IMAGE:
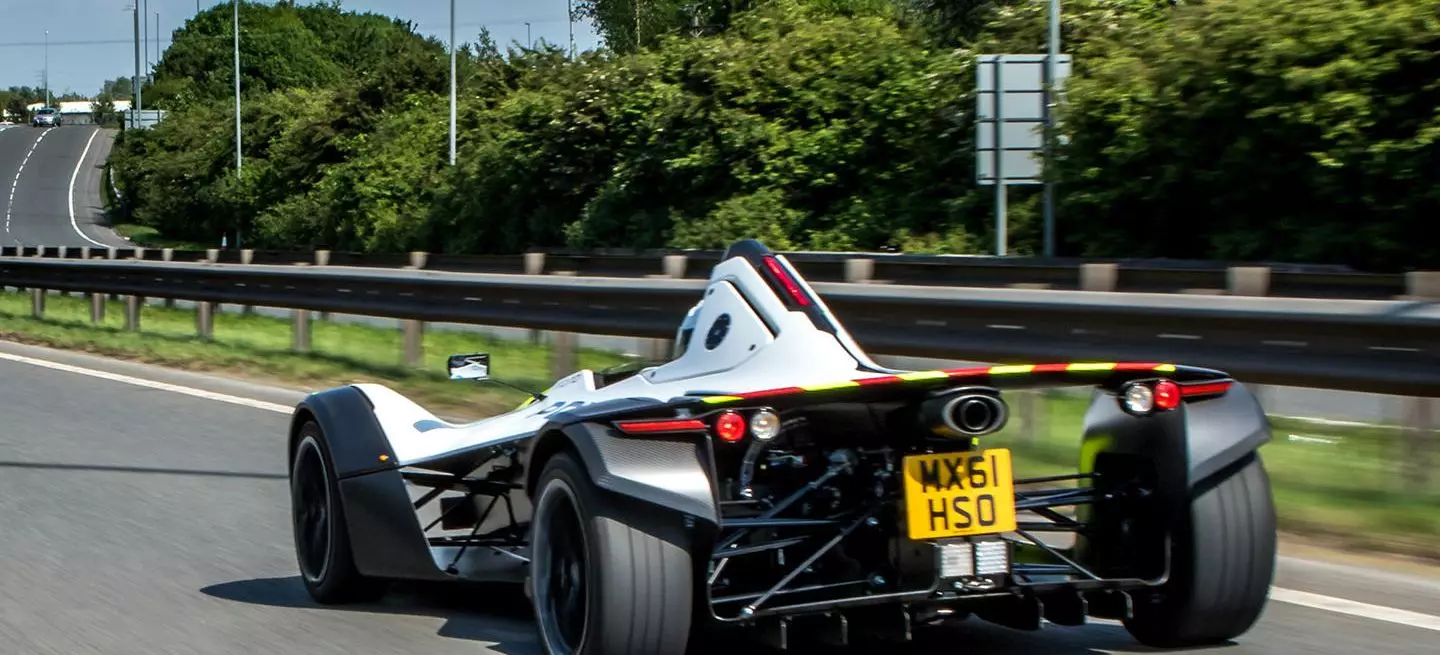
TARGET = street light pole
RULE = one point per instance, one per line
(1048, 201)
(47, 68)
(452, 82)
(239, 159)
(135, 86)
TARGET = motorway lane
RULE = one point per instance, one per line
(140, 520)
(37, 168)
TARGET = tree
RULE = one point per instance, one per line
(1248, 129)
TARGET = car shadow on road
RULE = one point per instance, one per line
(498, 615)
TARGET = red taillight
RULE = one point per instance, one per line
(668, 425)
(1205, 389)
(1167, 395)
(730, 427)
(791, 286)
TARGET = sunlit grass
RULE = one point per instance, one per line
(259, 348)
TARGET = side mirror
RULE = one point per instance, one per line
(474, 366)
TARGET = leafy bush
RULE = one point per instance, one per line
(1247, 129)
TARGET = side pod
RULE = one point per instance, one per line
(671, 471)
(385, 533)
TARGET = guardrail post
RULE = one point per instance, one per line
(1423, 285)
(563, 345)
(859, 270)
(111, 254)
(246, 256)
(132, 313)
(85, 253)
(168, 255)
(660, 349)
(414, 335)
(322, 258)
(1248, 280)
(1099, 276)
(1418, 449)
(60, 252)
(37, 303)
(205, 320)
(97, 308)
(535, 265)
(301, 343)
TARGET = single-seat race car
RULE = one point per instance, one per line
(772, 478)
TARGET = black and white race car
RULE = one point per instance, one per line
(771, 476)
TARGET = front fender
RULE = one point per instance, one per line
(673, 472)
(357, 442)
(386, 538)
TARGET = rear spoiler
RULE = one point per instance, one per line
(1194, 382)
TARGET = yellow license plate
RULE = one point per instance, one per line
(959, 494)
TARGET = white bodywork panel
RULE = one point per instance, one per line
(749, 357)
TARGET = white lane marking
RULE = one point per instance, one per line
(1352, 608)
(15, 184)
(71, 197)
(151, 384)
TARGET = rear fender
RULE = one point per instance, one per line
(673, 472)
(1176, 454)
(1188, 445)
(385, 533)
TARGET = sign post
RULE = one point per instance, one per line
(1010, 121)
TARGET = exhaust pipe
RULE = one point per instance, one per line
(966, 414)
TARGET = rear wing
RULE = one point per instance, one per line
(1193, 382)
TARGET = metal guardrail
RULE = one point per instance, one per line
(1134, 276)
(1377, 346)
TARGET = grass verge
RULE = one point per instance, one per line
(257, 348)
(1335, 483)
(149, 237)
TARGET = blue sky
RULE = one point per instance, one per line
(93, 40)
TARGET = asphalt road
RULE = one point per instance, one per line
(145, 518)
(50, 186)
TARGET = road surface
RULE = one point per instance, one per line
(145, 511)
(50, 186)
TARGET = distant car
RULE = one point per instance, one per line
(46, 117)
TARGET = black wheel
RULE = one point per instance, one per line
(322, 539)
(603, 580)
(1222, 566)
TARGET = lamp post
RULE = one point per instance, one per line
(452, 82)
(47, 68)
(239, 158)
(1048, 201)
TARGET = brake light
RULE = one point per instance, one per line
(786, 280)
(1206, 389)
(730, 427)
(667, 425)
(1167, 395)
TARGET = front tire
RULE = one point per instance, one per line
(1222, 566)
(322, 537)
(605, 580)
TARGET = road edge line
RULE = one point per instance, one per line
(71, 195)
(150, 384)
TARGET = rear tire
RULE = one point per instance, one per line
(605, 580)
(322, 536)
(1221, 569)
